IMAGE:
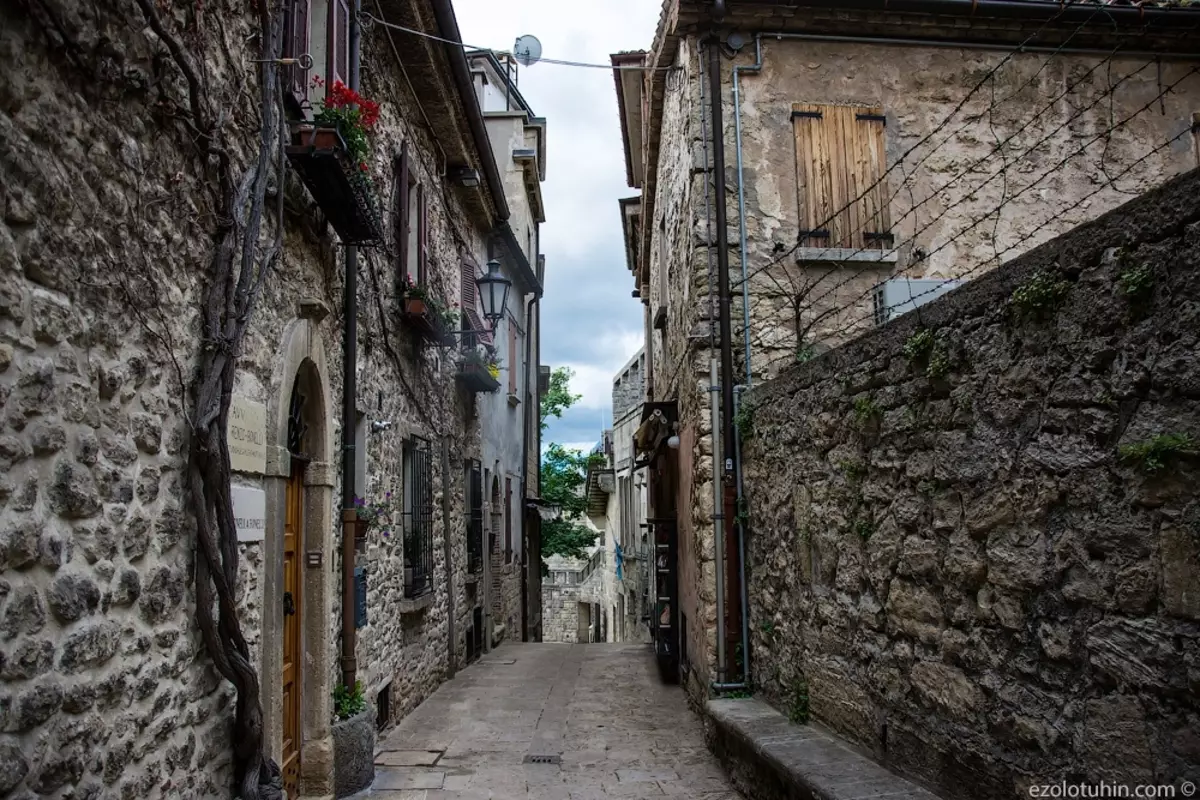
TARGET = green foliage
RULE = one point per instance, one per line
(1152, 455)
(564, 473)
(742, 517)
(805, 353)
(853, 470)
(739, 694)
(349, 703)
(1040, 294)
(798, 703)
(1137, 282)
(558, 397)
(768, 628)
(919, 345)
(743, 420)
(939, 362)
(865, 411)
(864, 528)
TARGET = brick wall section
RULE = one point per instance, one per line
(968, 578)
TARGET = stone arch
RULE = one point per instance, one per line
(301, 365)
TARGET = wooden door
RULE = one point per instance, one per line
(291, 630)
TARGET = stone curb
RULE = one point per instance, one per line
(803, 760)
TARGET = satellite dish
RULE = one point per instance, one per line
(527, 50)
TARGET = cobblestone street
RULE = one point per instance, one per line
(601, 707)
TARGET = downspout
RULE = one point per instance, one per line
(448, 554)
(525, 430)
(349, 407)
(726, 327)
(753, 69)
(718, 515)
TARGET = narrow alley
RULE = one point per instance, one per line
(620, 732)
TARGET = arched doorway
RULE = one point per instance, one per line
(297, 649)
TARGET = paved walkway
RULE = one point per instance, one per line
(599, 707)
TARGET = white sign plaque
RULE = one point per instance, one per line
(247, 436)
(249, 513)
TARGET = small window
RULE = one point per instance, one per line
(513, 356)
(508, 552)
(474, 491)
(295, 44)
(339, 41)
(412, 244)
(841, 162)
(418, 517)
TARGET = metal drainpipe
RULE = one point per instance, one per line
(718, 516)
(525, 430)
(349, 407)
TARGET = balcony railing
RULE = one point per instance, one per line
(339, 186)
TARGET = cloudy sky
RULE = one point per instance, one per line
(589, 321)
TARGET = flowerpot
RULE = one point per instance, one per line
(353, 754)
(326, 139)
(414, 306)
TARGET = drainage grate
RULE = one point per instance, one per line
(543, 759)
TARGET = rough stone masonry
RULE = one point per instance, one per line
(976, 530)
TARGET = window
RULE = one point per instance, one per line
(320, 29)
(418, 517)
(841, 161)
(508, 521)
(410, 226)
(474, 492)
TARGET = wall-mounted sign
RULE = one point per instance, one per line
(249, 513)
(314, 559)
(247, 436)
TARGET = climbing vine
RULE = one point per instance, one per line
(237, 270)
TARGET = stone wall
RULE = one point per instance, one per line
(973, 557)
(104, 682)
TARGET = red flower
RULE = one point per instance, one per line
(363, 166)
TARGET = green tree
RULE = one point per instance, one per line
(564, 473)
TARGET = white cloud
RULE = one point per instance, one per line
(594, 378)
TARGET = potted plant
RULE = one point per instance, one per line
(353, 740)
(374, 514)
(479, 368)
(345, 120)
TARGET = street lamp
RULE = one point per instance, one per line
(493, 293)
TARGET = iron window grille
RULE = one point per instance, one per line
(418, 518)
(474, 518)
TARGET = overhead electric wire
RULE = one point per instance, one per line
(376, 20)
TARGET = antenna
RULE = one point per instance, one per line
(527, 50)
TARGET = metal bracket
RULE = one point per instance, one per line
(304, 60)
(807, 115)
(871, 118)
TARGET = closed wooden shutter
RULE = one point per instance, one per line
(841, 161)
(512, 356)
(339, 41)
(400, 230)
(422, 236)
(470, 303)
(508, 520)
(295, 44)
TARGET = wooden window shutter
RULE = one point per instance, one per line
(422, 236)
(339, 41)
(512, 356)
(470, 302)
(840, 156)
(400, 230)
(295, 44)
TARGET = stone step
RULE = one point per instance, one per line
(770, 758)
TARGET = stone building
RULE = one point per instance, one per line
(509, 416)
(860, 146)
(106, 246)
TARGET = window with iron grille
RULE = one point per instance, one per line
(418, 517)
(474, 481)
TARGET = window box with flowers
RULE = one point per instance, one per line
(426, 314)
(479, 369)
(376, 515)
(331, 155)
